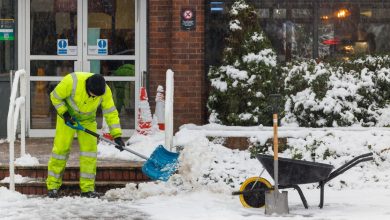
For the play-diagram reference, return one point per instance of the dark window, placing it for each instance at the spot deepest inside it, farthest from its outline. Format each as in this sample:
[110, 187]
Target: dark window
[8, 39]
[325, 29]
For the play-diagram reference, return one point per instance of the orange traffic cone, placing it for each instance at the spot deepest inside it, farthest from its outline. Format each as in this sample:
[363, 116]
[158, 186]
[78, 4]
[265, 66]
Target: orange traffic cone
[160, 108]
[144, 114]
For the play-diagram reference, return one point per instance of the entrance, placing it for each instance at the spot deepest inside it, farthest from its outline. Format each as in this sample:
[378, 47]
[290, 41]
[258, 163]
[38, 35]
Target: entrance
[99, 36]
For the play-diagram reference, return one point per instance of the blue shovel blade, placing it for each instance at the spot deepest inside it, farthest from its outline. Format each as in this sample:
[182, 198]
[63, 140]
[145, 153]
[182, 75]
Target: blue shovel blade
[161, 164]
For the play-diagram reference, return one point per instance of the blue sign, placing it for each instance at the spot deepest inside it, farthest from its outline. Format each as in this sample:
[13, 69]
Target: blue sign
[102, 45]
[216, 6]
[62, 46]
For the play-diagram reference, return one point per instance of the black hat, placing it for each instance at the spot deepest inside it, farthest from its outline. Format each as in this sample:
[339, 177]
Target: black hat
[96, 84]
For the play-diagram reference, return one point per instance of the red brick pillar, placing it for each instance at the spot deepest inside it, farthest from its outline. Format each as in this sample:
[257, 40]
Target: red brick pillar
[183, 52]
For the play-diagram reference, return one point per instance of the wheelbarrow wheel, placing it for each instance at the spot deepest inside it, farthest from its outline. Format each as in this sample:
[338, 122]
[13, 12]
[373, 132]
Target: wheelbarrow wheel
[254, 200]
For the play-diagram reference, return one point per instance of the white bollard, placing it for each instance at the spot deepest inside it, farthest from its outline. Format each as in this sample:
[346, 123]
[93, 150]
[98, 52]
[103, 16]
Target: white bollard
[169, 109]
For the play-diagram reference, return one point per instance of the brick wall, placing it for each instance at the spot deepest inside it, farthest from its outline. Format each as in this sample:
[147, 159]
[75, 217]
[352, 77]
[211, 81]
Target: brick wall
[183, 52]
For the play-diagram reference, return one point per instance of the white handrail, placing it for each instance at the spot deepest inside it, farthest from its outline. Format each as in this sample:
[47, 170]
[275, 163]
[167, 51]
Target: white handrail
[16, 105]
[169, 109]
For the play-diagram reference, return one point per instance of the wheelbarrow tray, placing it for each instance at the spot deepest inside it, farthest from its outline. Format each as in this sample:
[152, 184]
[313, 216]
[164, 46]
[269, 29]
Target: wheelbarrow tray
[294, 172]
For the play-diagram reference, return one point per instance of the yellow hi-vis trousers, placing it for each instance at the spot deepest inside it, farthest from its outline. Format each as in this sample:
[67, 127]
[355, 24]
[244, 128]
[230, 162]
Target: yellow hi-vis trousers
[60, 153]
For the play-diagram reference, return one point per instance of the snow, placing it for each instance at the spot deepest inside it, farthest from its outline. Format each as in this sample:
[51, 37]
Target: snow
[209, 172]
[26, 160]
[267, 56]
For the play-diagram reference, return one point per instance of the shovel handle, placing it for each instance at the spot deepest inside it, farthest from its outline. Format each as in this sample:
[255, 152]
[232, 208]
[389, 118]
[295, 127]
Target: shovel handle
[100, 137]
[276, 150]
[276, 147]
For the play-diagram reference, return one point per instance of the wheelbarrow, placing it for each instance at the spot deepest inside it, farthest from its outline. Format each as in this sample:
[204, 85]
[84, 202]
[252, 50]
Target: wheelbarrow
[291, 174]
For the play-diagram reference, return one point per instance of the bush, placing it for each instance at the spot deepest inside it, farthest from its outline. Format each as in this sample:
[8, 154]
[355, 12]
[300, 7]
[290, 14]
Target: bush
[338, 94]
[241, 86]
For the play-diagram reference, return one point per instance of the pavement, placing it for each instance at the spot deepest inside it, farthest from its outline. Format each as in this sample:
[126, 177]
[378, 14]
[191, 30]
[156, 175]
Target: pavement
[40, 148]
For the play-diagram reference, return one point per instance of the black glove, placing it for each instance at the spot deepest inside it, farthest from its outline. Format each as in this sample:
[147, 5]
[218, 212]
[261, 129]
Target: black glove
[119, 143]
[68, 119]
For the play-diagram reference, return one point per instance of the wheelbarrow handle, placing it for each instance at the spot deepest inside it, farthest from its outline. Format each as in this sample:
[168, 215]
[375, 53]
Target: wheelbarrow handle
[346, 165]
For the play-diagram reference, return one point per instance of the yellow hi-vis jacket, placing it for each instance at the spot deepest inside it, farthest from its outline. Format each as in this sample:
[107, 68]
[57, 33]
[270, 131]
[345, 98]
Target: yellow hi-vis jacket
[71, 95]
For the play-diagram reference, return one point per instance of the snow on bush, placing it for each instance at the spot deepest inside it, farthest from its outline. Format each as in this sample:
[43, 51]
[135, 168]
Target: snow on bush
[342, 94]
[247, 75]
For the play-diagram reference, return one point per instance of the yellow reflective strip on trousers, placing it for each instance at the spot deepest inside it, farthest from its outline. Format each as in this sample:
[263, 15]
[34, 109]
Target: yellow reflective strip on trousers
[89, 154]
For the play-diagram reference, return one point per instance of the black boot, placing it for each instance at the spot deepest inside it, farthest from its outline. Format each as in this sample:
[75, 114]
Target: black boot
[53, 193]
[91, 194]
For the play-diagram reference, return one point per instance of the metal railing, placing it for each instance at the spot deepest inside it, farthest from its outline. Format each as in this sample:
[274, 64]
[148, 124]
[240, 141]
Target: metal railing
[16, 106]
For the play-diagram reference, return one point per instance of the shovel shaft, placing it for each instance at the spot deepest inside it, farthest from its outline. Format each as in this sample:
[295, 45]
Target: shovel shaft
[276, 150]
[100, 137]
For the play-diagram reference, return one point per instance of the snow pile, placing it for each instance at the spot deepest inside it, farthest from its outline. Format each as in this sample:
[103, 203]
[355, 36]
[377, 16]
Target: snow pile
[26, 160]
[18, 179]
[10, 196]
[204, 165]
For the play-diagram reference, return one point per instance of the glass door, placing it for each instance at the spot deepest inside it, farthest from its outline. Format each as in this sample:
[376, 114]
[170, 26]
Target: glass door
[109, 49]
[53, 47]
[65, 36]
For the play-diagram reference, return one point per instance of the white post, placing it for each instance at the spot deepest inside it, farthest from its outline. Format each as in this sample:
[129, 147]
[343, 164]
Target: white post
[169, 109]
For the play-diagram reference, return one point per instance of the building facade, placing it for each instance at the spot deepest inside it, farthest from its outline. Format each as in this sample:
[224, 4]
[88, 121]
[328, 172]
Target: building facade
[134, 42]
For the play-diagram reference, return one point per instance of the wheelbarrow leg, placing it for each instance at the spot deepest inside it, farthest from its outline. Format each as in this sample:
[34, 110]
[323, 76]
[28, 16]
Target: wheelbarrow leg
[301, 195]
[322, 185]
[297, 188]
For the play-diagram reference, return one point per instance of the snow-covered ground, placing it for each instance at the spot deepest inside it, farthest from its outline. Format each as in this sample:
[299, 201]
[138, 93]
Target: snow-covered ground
[209, 172]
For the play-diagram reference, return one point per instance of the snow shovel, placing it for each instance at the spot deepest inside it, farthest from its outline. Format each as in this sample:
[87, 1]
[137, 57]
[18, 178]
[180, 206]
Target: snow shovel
[276, 202]
[159, 166]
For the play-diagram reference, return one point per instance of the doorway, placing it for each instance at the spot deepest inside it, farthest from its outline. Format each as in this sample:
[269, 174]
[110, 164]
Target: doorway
[100, 36]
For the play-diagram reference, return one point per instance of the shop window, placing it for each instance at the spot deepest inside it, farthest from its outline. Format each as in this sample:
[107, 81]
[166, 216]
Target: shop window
[52, 20]
[324, 29]
[351, 28]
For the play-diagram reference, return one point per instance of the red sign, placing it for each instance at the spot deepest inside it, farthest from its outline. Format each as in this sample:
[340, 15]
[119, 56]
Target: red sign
[188, 19]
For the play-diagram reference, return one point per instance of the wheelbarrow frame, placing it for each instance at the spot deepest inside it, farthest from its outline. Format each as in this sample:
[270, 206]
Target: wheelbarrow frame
[321, 181]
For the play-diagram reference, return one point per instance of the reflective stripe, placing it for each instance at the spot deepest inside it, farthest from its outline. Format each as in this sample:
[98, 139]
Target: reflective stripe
[74, 77]
[114, 126]
[59, 157]
[51, 173]
[73, 104]
[109, 110]
[87, 175]
[88, 154]
[59, 105]
[56, 95]
[71, 98]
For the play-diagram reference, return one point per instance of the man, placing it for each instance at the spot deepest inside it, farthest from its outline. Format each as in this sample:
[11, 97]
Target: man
[76, 99]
